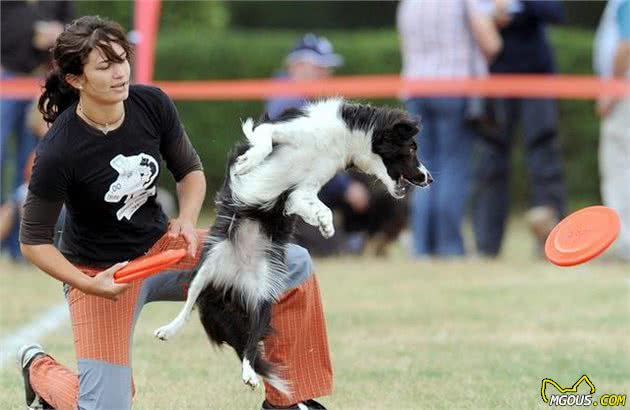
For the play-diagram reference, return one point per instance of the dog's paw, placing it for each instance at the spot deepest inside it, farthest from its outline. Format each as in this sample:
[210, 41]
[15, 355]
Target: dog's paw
[166, 332]
[309, 219]
[325, 222]
[327, 231]
[243, 164]
[249, 375]
[249, 160]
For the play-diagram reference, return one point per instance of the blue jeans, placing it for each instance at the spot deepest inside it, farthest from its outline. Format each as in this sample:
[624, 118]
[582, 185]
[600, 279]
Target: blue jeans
[538, 121]
[444, 148]
[13, 115]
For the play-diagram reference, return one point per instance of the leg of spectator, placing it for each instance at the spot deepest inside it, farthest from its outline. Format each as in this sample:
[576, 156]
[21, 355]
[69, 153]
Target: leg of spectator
[421, 210]
[491, 184]
[614, 165]
[24, 144]
[454, 142]
[9, 112]
[539, 121]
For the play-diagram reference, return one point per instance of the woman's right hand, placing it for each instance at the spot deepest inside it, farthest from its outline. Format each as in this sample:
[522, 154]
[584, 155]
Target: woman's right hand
[103, 284]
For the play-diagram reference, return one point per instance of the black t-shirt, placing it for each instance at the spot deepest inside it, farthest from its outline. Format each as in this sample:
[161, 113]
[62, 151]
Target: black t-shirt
[108, 182]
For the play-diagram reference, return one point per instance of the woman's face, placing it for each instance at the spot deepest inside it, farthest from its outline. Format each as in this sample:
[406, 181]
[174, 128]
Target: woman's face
[104, 80]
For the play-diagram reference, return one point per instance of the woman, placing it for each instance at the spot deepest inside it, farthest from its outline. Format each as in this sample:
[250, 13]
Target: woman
[443, 40]
[101, 158]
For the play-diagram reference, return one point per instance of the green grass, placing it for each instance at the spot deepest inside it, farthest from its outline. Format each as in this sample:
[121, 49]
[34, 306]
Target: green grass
[404, 334]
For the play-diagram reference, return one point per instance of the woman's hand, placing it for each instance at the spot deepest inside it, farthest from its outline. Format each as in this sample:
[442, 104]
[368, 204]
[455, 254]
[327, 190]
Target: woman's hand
[184, 227]
[103, 284]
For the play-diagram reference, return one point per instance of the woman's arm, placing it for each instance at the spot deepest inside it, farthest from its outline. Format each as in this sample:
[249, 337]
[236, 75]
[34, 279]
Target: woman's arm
[50, 260]
[191, 191]
[184, 163]
[36, 238]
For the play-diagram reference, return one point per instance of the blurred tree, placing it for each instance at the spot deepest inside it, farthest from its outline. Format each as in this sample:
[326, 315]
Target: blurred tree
[299, 15]
[584, 13]
[341, 14]
[310, 15]
[211, 15]
[120, 11]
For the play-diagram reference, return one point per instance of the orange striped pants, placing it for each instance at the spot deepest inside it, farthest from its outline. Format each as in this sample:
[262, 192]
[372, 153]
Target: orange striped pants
[103, 330]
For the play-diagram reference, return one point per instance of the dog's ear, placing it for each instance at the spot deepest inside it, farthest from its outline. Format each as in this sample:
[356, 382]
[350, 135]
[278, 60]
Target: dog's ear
[406, 128]
[264, 117]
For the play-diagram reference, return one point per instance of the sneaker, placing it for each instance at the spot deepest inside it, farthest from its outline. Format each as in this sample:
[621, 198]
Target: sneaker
[541, 221]
[304, 405]
[25, 357]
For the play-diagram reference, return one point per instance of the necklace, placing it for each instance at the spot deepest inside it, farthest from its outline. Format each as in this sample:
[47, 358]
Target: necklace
[103, 127]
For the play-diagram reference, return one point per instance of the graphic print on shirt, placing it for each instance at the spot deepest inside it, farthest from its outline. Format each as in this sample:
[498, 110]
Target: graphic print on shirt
[136, 174]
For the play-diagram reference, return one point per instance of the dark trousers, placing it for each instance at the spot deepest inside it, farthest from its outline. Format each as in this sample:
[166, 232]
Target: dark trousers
[538, 121]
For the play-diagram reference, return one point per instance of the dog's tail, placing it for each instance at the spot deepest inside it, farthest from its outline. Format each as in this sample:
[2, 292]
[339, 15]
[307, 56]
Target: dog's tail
[248, 128]
[266, 370]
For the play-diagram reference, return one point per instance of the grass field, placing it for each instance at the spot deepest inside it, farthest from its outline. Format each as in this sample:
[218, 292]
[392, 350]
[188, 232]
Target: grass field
[404, 334]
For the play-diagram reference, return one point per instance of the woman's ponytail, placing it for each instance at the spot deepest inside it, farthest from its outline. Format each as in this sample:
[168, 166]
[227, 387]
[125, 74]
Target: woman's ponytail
[57, 96]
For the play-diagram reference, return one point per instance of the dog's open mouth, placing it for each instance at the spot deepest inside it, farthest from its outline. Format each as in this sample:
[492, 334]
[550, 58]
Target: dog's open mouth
[401, 188]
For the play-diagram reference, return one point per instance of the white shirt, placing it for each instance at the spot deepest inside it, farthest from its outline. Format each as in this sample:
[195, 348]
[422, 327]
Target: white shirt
[606, 41]
[436, 40]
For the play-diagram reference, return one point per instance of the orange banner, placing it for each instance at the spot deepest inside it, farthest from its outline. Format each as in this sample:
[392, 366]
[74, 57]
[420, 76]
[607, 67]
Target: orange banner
[372, 86]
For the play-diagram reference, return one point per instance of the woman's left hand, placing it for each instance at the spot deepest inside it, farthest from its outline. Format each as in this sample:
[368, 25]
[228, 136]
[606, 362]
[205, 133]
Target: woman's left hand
[183, 227]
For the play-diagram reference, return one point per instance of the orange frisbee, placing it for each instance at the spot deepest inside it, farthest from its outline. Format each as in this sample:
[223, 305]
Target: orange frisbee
[582, 236]
[148, 265]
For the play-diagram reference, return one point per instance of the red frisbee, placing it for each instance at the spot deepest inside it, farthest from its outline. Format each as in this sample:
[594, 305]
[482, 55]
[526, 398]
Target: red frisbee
[582, 236]
[148, 265]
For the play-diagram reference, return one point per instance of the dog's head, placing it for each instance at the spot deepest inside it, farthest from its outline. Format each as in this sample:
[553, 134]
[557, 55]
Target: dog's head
[395, 144]
[394, 155]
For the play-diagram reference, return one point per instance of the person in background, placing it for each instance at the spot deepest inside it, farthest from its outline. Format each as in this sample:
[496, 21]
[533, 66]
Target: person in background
[449, 39]
[28, 30]
[612, 60]
[313, 58]
[11, 209]
[525, 50]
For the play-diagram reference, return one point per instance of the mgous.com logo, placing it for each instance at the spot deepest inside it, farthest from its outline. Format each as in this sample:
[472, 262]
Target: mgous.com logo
[569, 396]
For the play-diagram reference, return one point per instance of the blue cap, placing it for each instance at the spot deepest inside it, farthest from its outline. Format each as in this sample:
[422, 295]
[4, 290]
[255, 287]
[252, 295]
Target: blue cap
[315, 50]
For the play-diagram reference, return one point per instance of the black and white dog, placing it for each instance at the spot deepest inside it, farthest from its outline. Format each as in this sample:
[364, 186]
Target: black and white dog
[272, 178]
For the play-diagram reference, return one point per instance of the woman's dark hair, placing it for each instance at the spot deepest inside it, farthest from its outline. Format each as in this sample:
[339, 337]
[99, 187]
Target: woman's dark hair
[70, 54]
